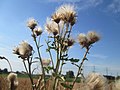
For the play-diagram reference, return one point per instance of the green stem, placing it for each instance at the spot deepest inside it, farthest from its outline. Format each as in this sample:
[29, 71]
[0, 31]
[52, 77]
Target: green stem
[50, 55]
[58, 59]
[81, 64]
[70, 31]
[61, 67]
[43, 72]
[7, 61]
[57, 48]
[9, 64]
[28, 72]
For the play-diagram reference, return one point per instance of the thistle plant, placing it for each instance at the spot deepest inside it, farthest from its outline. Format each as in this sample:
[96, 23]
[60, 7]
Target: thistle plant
[59, 27]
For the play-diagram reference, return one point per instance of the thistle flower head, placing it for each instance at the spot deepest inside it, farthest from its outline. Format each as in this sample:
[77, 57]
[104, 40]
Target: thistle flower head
[24, 50]
[96, 81]
[12, 79]
[31, 23]
[93, 37]
[51, 27]
[16, 51]
[89, 39]
[69, 42]
[56, 17]
[46, 62]
[67, 13]
[82, 39]
[37, 31]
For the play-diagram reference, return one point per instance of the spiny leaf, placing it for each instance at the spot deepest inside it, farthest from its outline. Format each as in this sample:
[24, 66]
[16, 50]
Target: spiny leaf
[34, 62]
[52, 47]
[60, 78]
[75, 64]
[73, 60]
[63, 63]
[66, 86]
[48, 68]
[47, 50]
[37, 58]
[48, 42]
[40, 46]
[64, 55]
[85, 59]
[66, 59]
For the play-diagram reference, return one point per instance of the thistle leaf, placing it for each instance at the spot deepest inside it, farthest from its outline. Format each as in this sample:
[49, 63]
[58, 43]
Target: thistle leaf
[66, 86]
[73, 60]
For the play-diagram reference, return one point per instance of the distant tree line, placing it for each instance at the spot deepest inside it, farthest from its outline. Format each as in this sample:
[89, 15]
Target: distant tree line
[5, 70]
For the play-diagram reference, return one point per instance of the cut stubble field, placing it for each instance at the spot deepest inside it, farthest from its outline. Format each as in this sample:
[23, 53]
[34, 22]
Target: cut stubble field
[25, 84]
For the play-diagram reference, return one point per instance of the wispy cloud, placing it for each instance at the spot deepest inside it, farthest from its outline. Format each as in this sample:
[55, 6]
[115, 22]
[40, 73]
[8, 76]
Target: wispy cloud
[99, 56]
[114, 7]
[69, 1]
[81, 4]
[85, 4]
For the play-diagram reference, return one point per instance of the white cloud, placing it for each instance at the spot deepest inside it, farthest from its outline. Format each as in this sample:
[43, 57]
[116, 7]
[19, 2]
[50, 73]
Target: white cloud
[85, 4]
[99, 56]
[82, 4]
[70, 1]
[114, 7]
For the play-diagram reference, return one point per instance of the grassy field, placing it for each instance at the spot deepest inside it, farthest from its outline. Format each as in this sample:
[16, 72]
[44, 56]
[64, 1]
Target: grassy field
[24, 82]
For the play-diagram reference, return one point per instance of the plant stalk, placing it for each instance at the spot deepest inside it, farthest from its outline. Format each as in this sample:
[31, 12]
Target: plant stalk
[79, 69]
[43, 72]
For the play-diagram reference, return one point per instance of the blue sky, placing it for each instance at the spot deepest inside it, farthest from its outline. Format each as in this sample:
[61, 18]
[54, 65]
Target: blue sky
[102, 16]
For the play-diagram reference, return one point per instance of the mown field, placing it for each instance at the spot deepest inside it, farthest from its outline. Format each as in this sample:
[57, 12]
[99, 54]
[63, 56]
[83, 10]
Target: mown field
[24, 82]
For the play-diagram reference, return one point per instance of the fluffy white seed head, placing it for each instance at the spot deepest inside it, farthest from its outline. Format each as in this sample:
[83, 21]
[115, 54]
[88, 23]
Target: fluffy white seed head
[31, 23]
[93, 37]
[82, 39]
[67, 13]
[12, 80]
[56, 17]
[96, 81]
[89, 39]
[24, 50]
[37, 31]
[16, 50]
[51, 27]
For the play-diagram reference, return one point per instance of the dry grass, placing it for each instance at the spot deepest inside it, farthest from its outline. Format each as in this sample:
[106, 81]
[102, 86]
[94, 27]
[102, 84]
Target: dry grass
[24, 84]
